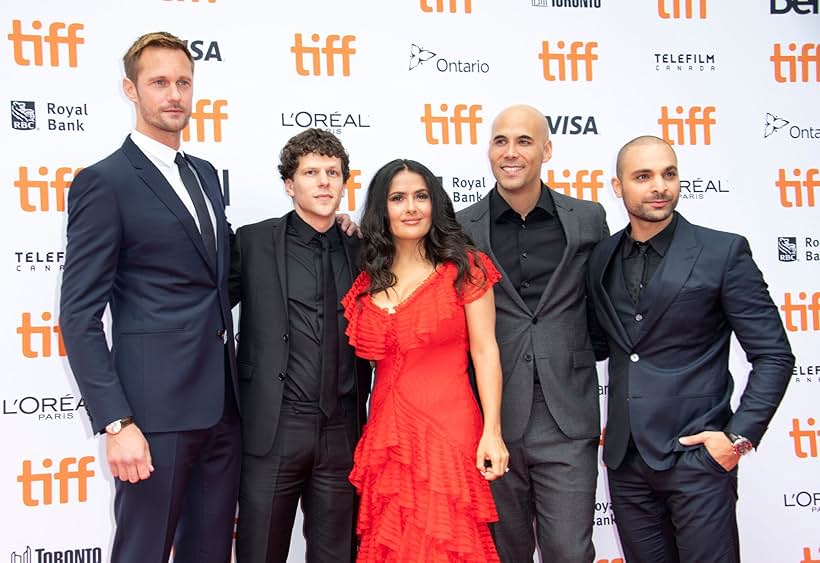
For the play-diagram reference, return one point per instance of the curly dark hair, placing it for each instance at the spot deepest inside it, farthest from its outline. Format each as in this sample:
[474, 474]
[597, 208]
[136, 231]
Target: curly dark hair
[445, 242]
[317, 141]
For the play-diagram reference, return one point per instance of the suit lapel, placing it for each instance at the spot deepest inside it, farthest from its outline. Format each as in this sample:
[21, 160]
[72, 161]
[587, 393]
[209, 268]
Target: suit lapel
[572, 233]
[280, 258]
[480, 231]
[599, 264]
[157, 183]
[671, 275]
[213, 193]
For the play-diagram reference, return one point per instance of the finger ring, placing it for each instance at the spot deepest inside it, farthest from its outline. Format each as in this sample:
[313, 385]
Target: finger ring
[507, 470]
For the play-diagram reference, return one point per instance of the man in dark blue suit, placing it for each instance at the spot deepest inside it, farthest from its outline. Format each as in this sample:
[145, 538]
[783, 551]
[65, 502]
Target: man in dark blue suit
[669, 294]
[147, 236]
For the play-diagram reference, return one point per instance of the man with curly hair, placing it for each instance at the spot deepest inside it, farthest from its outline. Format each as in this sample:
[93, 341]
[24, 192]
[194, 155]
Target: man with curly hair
[302, 389]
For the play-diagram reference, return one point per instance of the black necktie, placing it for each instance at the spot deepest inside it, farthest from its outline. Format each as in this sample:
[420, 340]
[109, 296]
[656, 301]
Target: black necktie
[330, 334]
[205, 226]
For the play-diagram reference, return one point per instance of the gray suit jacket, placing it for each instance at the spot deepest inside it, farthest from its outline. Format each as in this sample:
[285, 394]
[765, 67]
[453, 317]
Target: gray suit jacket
[555, 336]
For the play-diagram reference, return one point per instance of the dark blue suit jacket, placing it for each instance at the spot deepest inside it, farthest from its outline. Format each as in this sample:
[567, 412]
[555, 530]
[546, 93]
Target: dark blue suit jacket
[673, 378]
[133, 245]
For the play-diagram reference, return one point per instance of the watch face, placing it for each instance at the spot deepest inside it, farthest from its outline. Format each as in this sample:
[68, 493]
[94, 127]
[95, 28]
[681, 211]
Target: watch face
[743, 446]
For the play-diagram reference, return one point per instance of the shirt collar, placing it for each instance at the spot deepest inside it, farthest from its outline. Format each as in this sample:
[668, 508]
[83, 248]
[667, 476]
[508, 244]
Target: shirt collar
[659, 243]
[306, 233]
[499, 207]
[158, 151]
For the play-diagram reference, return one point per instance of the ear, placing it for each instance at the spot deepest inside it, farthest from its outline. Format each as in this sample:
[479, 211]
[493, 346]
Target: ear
[289, 187]
[617, 187]
[547, 151]
[130, 89]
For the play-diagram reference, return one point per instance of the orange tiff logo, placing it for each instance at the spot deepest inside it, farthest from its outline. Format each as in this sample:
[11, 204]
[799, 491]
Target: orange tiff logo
[792, 191]
[351, 186]
[807, 557]
[71, 469]
[44, 193]
[803, 437]
[37, 340]
[459, 120]
[616, 560]
[201, 115]
[54, 38]
[586, 185]
[555, 60]
[452, 6]
[786, 68]
[336, 48]
[674, 132]
[796, 315]
[689, 7]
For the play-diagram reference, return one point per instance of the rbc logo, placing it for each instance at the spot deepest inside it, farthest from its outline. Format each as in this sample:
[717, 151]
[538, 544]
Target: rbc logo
[787, 249]
[23, 116]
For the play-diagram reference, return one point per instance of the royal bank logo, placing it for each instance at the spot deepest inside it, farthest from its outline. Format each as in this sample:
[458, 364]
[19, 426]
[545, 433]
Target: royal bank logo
[775, 124]
[466, 189]
[419, 56]
[603, 514]
[337, 122]
[565, 3]
[685, 62]
[23, 115]
[787, 249]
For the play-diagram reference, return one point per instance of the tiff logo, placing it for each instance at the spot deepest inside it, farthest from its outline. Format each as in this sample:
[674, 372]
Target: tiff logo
[200, 116]
[43, 188]
[616, 560]
[351, 186]
[801, 7]
[809, 59]
[796, 314]
[54, 39]
[807, 558]
[698, 118]
[579, 52]
[803, 437]
[452, 6]
[64, 476]
[798, 188]
[689, 7]
[458, 120]
[332, 52]
[586, 185]
[45, 334]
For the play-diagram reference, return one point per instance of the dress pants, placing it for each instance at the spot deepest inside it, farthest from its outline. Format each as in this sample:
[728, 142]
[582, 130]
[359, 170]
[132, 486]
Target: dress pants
[552, 480]
[188, 502]
[311, 458]
[685, 514]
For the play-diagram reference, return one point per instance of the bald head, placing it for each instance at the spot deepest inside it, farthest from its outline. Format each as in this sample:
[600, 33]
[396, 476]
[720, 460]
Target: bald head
[524, 114]
[641, 141]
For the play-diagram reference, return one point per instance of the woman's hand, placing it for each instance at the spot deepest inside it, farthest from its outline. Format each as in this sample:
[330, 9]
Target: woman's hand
[492, 457]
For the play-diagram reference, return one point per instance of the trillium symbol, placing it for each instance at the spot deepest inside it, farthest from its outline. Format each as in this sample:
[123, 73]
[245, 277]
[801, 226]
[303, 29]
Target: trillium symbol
[418, 55]
[773, 124]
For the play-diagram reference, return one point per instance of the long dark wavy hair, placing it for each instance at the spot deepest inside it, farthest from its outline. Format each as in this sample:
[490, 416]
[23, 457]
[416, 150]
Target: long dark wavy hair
[445, 242]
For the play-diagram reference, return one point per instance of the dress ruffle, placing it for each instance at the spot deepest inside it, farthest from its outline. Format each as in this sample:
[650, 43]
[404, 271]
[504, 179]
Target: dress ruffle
[419, 494]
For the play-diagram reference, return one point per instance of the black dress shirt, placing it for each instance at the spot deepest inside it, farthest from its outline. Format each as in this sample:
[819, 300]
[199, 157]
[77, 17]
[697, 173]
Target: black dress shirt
[641, 259]
[305, 297]
[530, 249]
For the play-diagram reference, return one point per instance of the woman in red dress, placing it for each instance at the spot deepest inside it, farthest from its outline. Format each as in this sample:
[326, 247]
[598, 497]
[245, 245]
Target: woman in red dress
[422, 304]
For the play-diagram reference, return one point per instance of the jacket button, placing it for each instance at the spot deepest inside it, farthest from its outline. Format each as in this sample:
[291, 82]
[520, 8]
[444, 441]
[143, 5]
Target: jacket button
[220, 334]
[634, 357]
[639, 317]
[281, 376]
[285, 337]
[527, 358]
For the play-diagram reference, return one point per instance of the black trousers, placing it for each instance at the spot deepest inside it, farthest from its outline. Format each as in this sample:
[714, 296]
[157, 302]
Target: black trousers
[310, 460]
[188, 502]
[685, 514]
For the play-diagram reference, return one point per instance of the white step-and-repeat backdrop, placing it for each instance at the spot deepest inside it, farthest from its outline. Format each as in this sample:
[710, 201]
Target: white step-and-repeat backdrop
[733, 84]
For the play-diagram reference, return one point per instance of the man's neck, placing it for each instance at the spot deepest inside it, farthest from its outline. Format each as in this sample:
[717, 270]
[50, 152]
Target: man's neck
[523, 200]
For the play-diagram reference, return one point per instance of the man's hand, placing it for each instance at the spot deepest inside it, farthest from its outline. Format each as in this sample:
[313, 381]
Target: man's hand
[129, 456]
[348, 226]
[718, 446]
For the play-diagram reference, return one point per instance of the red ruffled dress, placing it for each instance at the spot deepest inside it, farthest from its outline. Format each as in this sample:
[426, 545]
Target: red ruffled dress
[422, 498]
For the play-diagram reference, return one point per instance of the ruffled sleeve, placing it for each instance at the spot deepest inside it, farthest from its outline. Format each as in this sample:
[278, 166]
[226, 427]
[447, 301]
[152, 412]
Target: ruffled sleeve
[365, 331]
[479, 281]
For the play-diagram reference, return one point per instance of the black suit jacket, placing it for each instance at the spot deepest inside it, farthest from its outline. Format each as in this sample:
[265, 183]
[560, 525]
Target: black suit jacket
[258, 280]
[672, 379]
[133, 245]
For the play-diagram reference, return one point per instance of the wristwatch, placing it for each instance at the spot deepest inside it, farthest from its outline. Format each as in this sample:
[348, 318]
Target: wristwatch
[741, 445]
[117, 425]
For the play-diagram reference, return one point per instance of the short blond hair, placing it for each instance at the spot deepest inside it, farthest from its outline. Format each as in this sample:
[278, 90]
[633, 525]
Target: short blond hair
[161, 39]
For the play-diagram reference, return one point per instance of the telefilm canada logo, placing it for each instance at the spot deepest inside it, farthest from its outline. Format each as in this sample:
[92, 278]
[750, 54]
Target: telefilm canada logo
[565, 3]
[685, 62]
[23, 115]
[43, 555]
[777, 125]
[426, 58]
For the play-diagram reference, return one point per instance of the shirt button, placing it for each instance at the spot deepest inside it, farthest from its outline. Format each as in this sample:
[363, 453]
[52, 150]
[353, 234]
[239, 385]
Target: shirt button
[281, 376]
[524, 255]
[634, 357]
[527, 358]
[285, 337]
[639, 317]
[525, 284]
[535, 320]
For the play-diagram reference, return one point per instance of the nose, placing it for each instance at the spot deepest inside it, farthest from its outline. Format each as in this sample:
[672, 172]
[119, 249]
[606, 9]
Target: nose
[324, 179]
[410, 205]
[510, 150]
[174, 92]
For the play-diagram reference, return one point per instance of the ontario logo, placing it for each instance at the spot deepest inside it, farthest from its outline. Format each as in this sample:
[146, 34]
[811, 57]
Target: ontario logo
[419, 56]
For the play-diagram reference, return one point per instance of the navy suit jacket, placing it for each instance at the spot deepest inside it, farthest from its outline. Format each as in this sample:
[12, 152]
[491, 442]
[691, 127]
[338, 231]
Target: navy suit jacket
[672, 378]
[133, 245]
